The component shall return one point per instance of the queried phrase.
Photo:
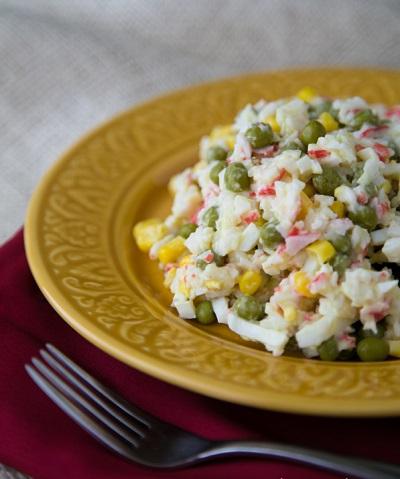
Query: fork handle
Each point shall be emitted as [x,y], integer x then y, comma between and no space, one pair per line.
[364,469]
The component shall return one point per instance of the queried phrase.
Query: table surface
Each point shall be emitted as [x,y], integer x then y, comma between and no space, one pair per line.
[69,65]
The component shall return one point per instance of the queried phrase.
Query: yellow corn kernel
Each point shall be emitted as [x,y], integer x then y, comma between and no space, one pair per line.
[169,277]
[289,313]
[339,209]
[328,122]
[305,205]
[213,284]
[188,259]
[261,221]
[323,249]
[307,94]
[271,120]
[199,166]
[170,252]
[184,289]
[387,186]
[225,133]
[301,284]
[221,132]
[249,282]
[309,190]
[148,232]
[230,142]
[394,348]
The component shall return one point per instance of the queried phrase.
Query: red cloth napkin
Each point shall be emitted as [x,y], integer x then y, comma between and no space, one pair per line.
[40,440]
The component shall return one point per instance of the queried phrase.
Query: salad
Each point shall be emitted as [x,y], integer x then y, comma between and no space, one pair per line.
[287,229]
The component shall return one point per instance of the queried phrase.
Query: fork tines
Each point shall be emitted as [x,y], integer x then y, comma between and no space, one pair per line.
[104,414]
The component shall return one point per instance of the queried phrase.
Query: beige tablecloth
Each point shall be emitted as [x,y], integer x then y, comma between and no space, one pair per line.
[66,65]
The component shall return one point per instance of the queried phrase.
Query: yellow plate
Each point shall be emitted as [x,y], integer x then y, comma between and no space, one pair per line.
[80,249]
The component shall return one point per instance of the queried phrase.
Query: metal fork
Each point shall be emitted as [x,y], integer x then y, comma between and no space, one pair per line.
[140,437]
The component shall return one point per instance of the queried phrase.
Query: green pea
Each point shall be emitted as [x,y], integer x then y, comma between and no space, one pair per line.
[367,333]
[365,217]
[372,349]
[311,132]
[186,230]
[236,178]
[371,189]
[215,171]
[270,236]
[259,135]
[205,313]
[272,281]
[327,181]
[396,154]
[357,170]
[328,350]
[342,244]
[201,264]
[340,262]
[216,153]
[370,250]
[365,116]
[316,110]
[249,308]
[218,259]
[346,354]
[210,217]
[292,145]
